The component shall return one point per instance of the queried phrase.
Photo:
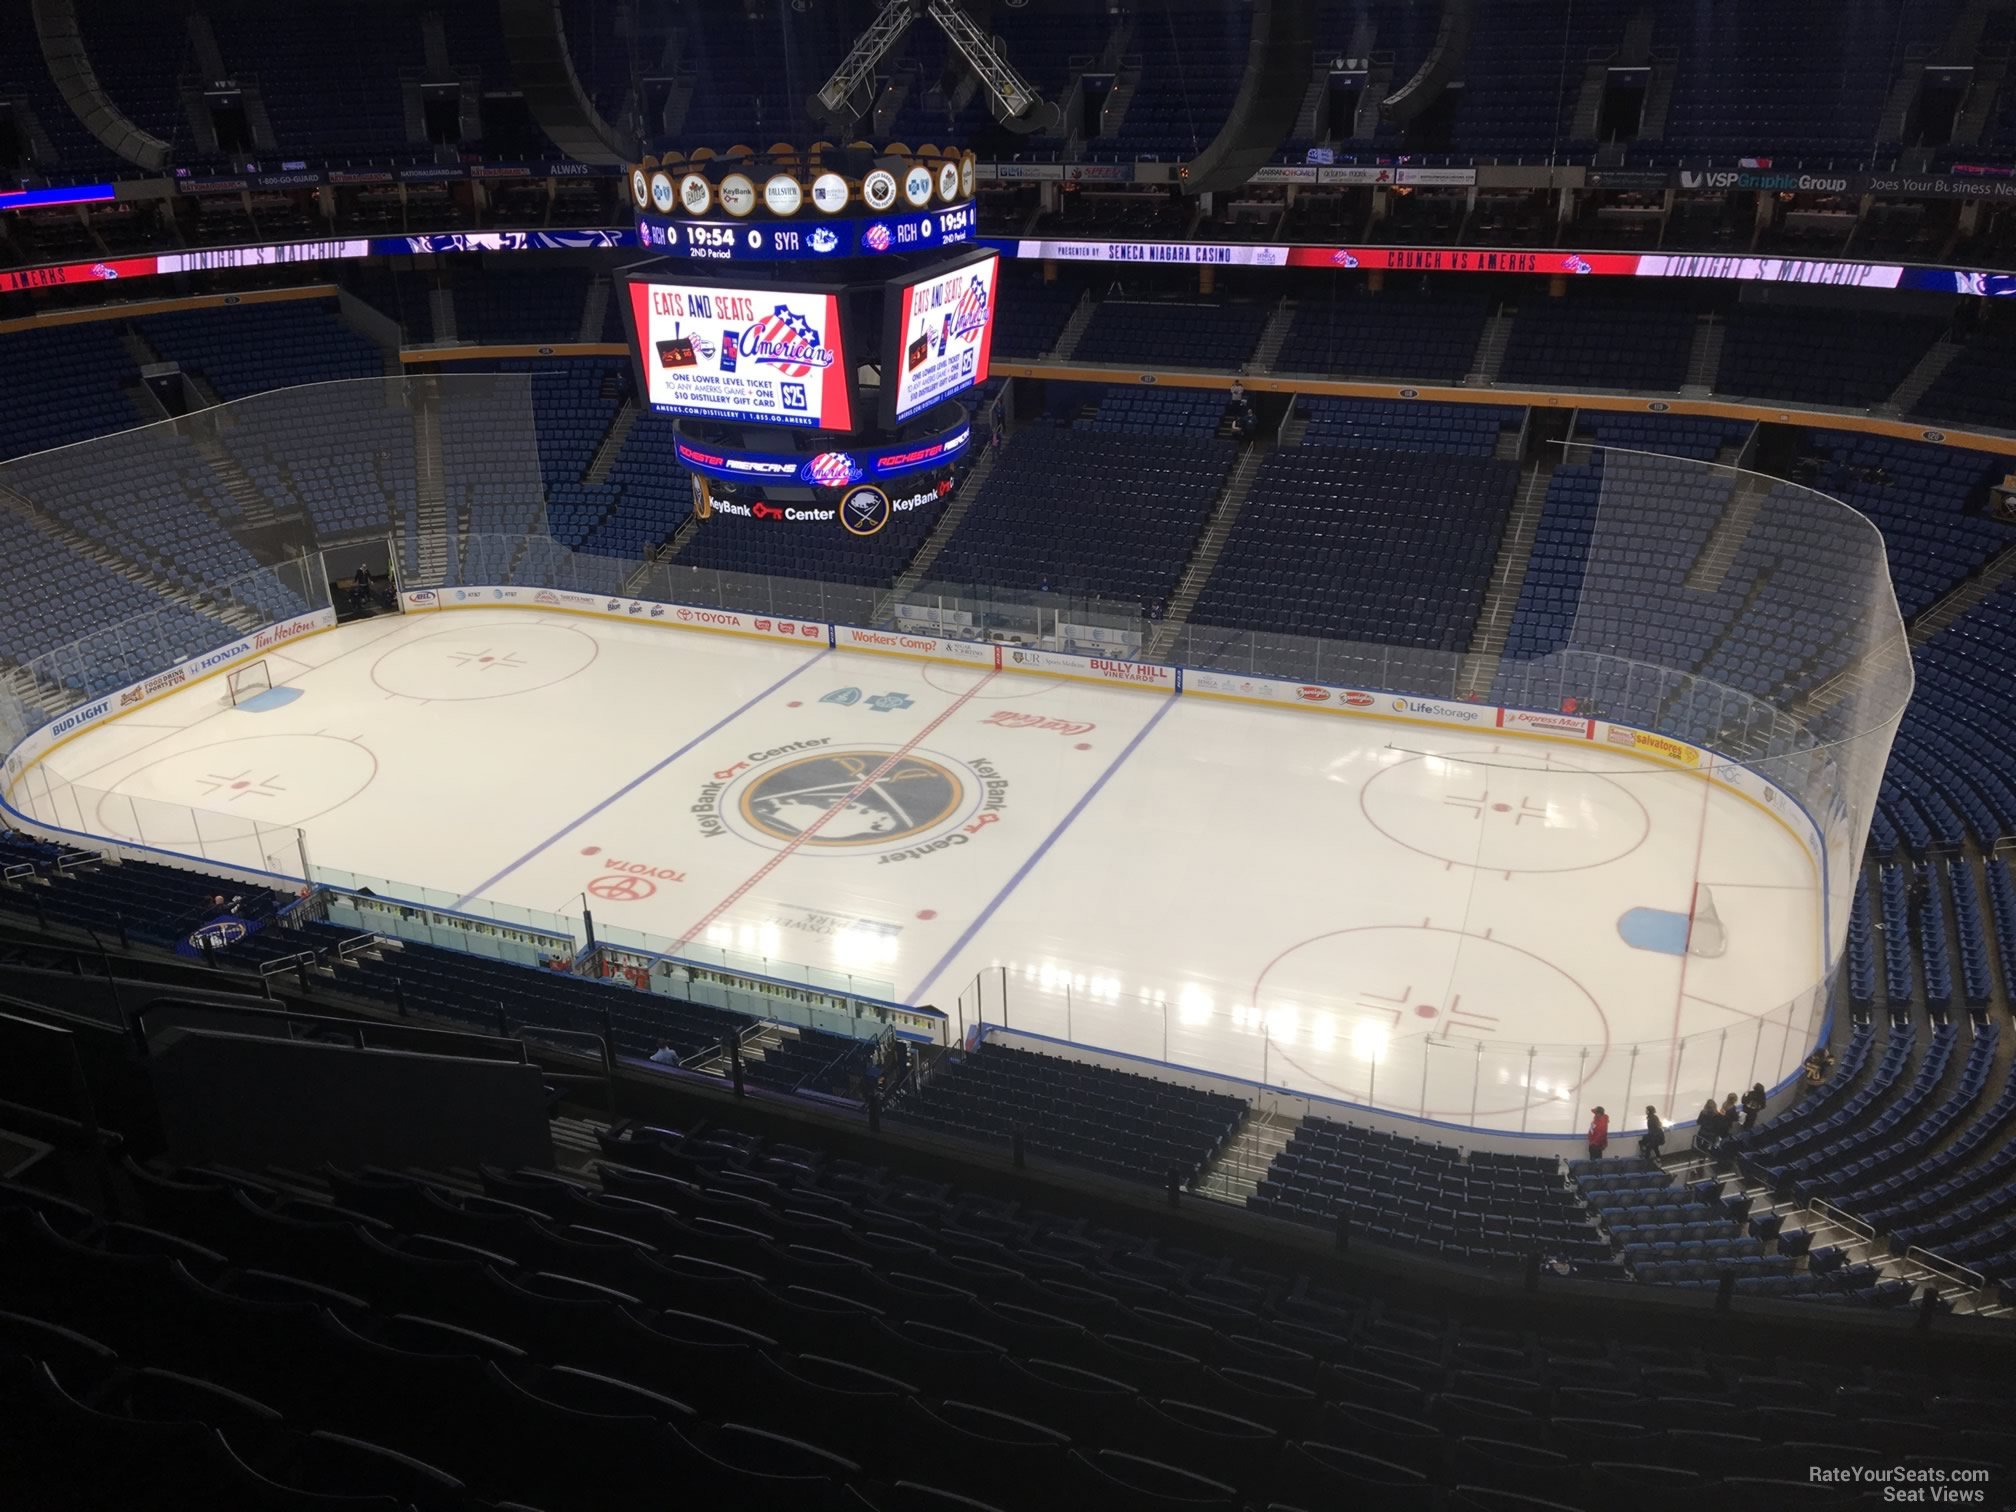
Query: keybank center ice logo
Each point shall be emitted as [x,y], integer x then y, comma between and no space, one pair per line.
[847,798]
[788,341]
[897,805]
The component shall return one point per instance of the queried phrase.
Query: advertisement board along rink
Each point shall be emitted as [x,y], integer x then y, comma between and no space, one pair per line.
[1430,918]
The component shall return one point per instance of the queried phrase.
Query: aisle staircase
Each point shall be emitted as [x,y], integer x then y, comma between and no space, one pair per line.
[271,535]
[231,612]
[1921,377]
[948,524]
[577,1143]
[1066,345]
[594,311]
[1479,668]
[441,310]
[1242,1163]
[1704,357]
[611,446]
[1225,514]
[1941,614]
[1945,610]
[1267,351]
[430,548]
[1718,553]
[1490,356]
[1830,1226]
[678,542]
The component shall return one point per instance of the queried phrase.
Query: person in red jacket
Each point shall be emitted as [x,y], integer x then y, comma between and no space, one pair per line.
[1599,1133]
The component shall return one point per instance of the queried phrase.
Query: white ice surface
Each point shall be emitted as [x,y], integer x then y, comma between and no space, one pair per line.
[1343,906]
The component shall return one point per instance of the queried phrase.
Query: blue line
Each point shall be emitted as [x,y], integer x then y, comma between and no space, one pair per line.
[635,782]
[1040,852]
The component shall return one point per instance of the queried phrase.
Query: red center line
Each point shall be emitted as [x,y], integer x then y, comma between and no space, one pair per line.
[1680,988]
[818,824]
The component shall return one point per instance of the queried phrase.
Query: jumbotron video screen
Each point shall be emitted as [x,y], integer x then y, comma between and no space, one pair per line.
[758,355]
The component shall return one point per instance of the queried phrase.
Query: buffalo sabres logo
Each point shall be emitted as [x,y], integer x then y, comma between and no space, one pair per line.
[852,798]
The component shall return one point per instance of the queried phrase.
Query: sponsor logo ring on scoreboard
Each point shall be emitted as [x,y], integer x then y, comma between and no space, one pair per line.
[696,195]
[783,194]
[640,188]
[830,193]
[661,191]
[878,190]
[738,194]
[917,186]
[948,182]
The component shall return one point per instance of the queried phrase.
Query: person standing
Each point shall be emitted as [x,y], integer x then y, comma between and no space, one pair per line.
[1653,1140]
[1709,1126]
[1753,1107]
[1599,1133]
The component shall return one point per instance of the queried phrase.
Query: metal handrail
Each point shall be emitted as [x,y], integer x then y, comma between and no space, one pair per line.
[1966,1275]
[601,1044]
[1843,1219]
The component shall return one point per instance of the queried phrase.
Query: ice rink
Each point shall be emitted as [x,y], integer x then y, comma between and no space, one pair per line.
[1352,907]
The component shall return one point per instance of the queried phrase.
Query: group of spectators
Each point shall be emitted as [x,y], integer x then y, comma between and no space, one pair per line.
[1715,1123]
[1713,1126]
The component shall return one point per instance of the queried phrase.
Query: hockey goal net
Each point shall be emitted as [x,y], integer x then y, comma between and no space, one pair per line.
[245,683]
[1705,934]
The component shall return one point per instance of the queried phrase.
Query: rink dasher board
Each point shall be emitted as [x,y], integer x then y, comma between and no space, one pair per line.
[990,655]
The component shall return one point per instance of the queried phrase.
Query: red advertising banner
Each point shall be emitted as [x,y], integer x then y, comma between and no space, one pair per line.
[23,280]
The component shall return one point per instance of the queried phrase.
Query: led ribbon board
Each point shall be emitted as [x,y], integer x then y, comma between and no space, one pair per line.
[838,468]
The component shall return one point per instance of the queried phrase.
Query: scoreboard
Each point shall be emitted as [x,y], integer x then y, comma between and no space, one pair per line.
[807,241]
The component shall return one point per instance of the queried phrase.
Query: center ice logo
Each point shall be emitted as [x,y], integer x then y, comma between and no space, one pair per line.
[843,798]
[894,805]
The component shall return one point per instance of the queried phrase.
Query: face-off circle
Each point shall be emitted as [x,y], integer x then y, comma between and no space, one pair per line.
[482,661]
[861,799]
[1505,811]
[262,780]
[1388,988]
